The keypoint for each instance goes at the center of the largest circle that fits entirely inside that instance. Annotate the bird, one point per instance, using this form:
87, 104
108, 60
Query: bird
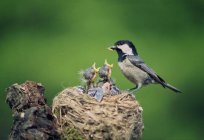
135, 69
97, 93
90, 75
107, 83
105, 71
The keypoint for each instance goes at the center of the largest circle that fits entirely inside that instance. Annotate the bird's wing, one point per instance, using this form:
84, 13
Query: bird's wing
138, 62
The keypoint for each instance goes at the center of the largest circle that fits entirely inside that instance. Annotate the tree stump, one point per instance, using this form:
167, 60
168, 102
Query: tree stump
32, 117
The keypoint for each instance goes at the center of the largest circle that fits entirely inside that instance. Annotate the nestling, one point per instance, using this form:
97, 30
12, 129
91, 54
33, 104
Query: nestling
105, 71
90, 75
97, 93
107, 82
134, 68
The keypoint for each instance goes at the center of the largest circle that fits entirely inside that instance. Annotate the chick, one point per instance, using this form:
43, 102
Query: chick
90, 75
105, 72
97, 93
106, 82
114, 90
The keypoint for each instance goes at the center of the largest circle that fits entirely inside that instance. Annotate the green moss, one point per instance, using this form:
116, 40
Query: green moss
71, 134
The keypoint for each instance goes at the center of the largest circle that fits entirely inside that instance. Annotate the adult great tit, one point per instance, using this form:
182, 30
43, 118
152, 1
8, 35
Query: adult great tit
134, 68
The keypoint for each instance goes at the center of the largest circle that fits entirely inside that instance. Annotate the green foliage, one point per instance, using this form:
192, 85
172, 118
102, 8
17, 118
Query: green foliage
71, 134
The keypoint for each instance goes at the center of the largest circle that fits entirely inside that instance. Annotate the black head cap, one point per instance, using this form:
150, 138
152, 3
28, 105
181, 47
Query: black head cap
129, 43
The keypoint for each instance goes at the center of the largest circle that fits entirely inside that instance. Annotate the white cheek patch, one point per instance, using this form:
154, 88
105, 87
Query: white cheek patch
126, 49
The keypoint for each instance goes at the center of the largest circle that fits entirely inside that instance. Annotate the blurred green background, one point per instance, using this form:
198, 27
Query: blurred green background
51, 41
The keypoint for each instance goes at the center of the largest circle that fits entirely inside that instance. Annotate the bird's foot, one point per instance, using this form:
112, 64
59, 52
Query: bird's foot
135, 89
132, 90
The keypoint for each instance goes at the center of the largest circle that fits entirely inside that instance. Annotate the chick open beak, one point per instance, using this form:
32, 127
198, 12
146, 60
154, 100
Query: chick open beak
112, 48
95, 69
106, 63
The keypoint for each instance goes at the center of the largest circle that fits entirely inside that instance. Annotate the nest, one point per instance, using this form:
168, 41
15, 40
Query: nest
82, 117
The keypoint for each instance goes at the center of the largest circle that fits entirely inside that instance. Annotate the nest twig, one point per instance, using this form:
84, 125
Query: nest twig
115, 117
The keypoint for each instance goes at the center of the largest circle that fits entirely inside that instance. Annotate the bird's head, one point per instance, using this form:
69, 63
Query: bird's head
90, 73
124, 47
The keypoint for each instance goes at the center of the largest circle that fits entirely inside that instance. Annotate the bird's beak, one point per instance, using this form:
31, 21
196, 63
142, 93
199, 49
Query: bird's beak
112, 48
106, 63
95, 69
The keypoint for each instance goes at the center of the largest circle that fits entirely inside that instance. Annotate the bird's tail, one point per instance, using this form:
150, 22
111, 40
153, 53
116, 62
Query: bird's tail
172, 88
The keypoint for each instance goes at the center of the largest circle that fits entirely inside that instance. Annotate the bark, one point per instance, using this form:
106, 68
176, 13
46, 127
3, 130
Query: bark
32, 117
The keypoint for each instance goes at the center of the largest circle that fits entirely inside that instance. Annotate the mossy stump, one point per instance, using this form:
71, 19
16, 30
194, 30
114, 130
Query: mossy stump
80, 116
32, 117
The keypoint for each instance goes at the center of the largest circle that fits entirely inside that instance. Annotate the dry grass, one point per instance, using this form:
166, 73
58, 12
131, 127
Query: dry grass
115, 117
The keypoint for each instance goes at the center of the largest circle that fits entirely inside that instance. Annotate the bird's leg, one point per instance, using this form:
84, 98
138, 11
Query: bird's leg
132, 90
